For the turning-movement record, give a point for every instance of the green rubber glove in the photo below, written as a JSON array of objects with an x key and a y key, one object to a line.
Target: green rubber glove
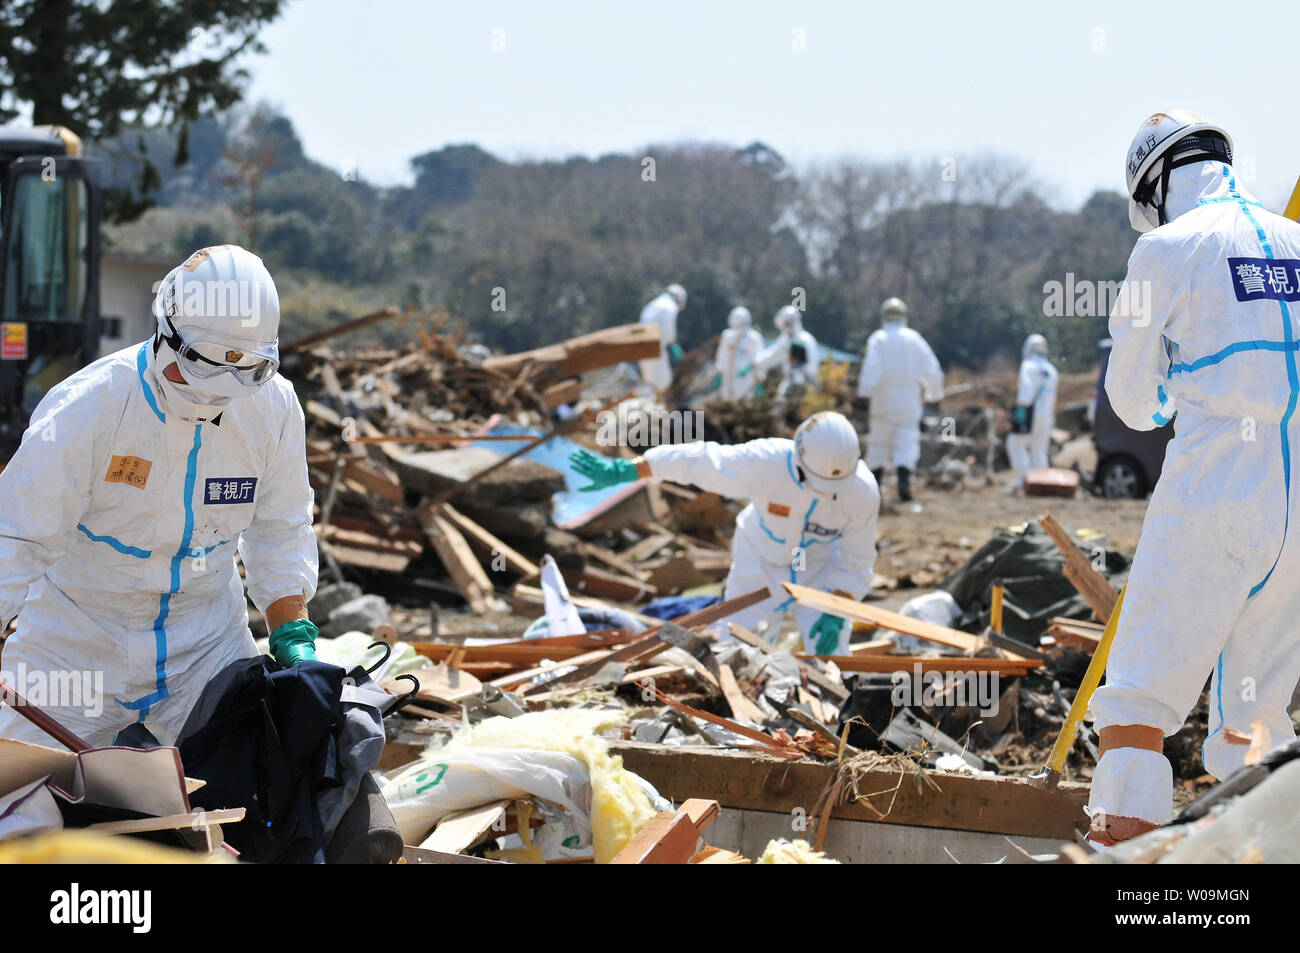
[
  {"x": 674, "y": 354},
  {"x": 748, "y": 368},
  {"x": 825, "y": 633},
  {"x": 294, "y": 642},
  {"x": 601, "y": 471},
  {"x": 1022, "y": 417},
  {"x": 716, "y": 384}
]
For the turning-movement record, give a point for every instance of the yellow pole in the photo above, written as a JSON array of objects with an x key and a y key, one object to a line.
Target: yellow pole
[
  {"x": 1293, "y": 207},
  {"x": 1065, "y": 741},
  {"x": 995, "y": 615}
]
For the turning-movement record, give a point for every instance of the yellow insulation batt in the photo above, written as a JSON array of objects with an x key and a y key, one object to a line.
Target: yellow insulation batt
[
  {"x": 83, "y": 847},
  {"x": 619, "y": 808},
  {"x": 793, "y": 852}
]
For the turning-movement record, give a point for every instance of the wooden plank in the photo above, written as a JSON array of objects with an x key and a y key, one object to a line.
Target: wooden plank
[
  {"x": 649, "y": 645},
  {"x": 612, "y": 585},
  {"x": 513, "y": 558},
  {"x": 1091, "y": 584},
  {"x": 458, "y": 558},
  {"x": 461, "y": 830},
  {"x": 668, "y": 838},
  {"x": 883, "y": 618},
  {"x": 1084, "y": 636},
  {"x": 520, "y": 652},
  {"x": 518, "y": 678},
  {"x": 193, "y": 820},
  {"x": 749, "y": 780},
  {"x": 565, "y": 392},
  {"x": 604, "y": 348},
  {"x": 905, "y": 663},
  {"x": 353, "y": 325},
  {"x": 741, "y": 706}
]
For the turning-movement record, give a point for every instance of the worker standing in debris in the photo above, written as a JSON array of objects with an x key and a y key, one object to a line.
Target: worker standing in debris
[
  {"x": 898, "y": 370},
  {"x": 663, "y": 310},
  {"x": 810, "y": 519},
  {"x": 1204, "y": 329},
  {"x": 136, "y": 481},
  {"x": 795, "y": 352},
  {"x": 738, "y": 348},
  {"x": 1034, "y": 413}
]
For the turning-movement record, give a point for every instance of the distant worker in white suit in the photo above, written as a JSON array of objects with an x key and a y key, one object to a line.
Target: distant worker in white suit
[
  {"x": 795, "y": 352},
  {"x": 663, "y": 310},
  {"x": 1034, "y": 414},
  {"x": 738, "y": 348},
  {"x": 810, "y": 519},
  {"x": 898, "y": 370}
]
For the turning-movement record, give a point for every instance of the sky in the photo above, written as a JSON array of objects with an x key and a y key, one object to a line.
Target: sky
[{"x": 1062, "y": 87}]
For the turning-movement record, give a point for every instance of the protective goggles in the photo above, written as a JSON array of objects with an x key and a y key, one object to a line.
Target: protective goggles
[{"x": 223, "y": 366}]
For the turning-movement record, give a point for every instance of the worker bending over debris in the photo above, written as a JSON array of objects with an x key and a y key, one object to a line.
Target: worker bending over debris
[
  {"x": 898, "y": 370},
  {"x": 1204, "y": 330},
  {"x": 1033, "y": 416},
  {"x": 738, "y": 348},
  {"x": 136, "y": 481},
  {"x": 663, "y": 310},
  {"x": 794, "y": 352},
  {"x": 811, "y": 516}
]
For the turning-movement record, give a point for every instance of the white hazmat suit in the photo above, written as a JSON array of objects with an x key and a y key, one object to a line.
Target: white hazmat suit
[
  {"x": 117, "y": 546},
  {"x": 898, "y": 369},
  {"x": 1206, "y": 329},
  {"x": 788, "y": 532},
  {"x": 738, "y": 348},
  {"x": 658, "y": 371},
  {"x": 795, "y": 352},
  {"x": 1037, "y": 389}
]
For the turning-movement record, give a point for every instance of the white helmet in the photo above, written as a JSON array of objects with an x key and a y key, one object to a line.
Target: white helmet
[
  {"x": 739, "y": 319},
  {"x": 789, "y": 319},
  {"x": 894, "y": 309},
  {"x": 219, "y": 314},
  {"x": 827, "y": 450},
  {"x": 678, "y": 294},
  {"x": 1035, "y": 344},
  {"x": 1178, "y": 137}
]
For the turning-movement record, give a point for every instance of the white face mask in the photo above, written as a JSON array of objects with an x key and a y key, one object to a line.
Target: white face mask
[{"x": 184, "y": 401}]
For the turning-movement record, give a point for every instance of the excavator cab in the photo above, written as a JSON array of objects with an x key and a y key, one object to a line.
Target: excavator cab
[{"x": 49, "y": 270}]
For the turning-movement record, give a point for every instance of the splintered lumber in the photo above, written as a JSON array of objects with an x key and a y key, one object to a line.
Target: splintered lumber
[
  {"x": 193, "y": 821},
  {"x": 492, "y": 544},
  {"x": 882, "y": 618},
  {"x": 650, "y": 645},
  {"x": 752, "y": 781},
  {"x": 461, "y": 830},
  {"x": 1092, "y": 585},
  {"x": 622, "y": 344},
  {"x": 949, "y": 663},
  {"x": 670, "y": 837},
  {"x": 741, "y": 706},
  {"x": 565, "y": 392},
  {"x": 832, "y": 686},
  {"x": 353, "y": 325},
  {"x": 1075, "y": 633},
  {"x": 458, "y": 559},
  {"x": 612, "y": 585}
]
